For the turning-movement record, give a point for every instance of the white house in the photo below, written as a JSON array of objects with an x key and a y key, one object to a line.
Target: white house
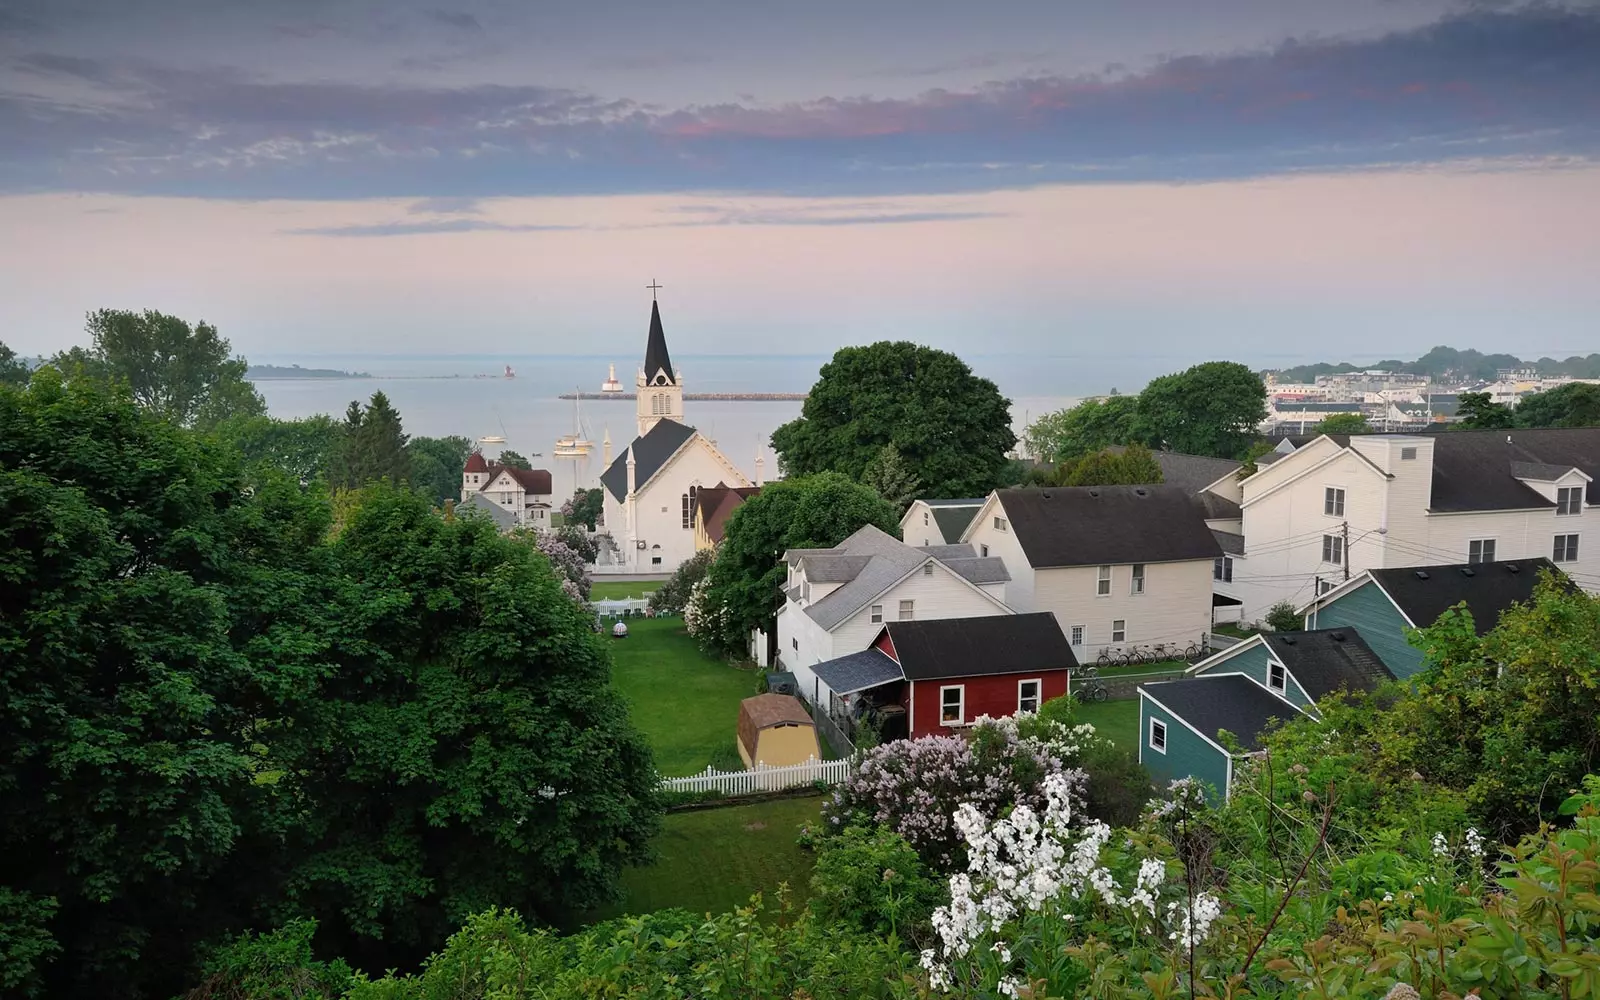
[
  {"x": 1329, "y": 508},
  {"x": 525, "y": 493},
  {"x": 937, "y": 522},
  {"x": 650, "y": 489},
  {"x": 836, "y": 600},
  {"x": 1117, "y": 565}
]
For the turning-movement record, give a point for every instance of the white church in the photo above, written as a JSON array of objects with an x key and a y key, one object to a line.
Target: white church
[{"x": 650, "y": 487}]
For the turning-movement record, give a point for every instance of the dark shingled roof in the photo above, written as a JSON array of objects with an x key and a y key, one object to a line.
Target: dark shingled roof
[
  {"x": 1329, "y": 660},
  {"x": 1192, "y": 473},
  {"x": 1489, "y": 590},
  {"x": 656, "y": 359},
  {"x": 857, "y": 672},
  {"x": 717, "y": 503},
  {"x": 953, "y": 520},
  {"x": 1473, "y": 470},
  {"x": 1092, "y": 525},
  {"x": 650, "y": 453},
  {"x": 1219, "y": 508},
  {"x": 975, "y": 647},
  {"x": 1232, "y": 702},
  {"x": 1231, "y": 544}
]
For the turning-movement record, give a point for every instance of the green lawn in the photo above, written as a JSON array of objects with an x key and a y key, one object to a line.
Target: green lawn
[
  {"x": 712, "y": 860},
  {"x": 1228, "y": 628},
  {"x": 1117, "y": 721},
  {"x": 611, "y": 590},
  {"x": 1160, "y": 667},
  {"x": 685, "y": 702}
]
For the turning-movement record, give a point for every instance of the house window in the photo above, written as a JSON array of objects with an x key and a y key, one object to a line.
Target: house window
[
  {"x": 1138, "y": 578},
  {"x": 877, "y": 614},
  {"x": 655, "y": 555},
  {"x": 1119, "y": 631},
  {"x": 924, "y": 519},
  {"x": 1077, "y": 635},
  {"x": 1028, "y": 696},
  {"x": 688, "y": 506},
  {"x": 1333, "y": 502},
  {"x": 1222, "y": 569},
  {"x": 907, "y": 610},
  {"x": 1103, "y": 584},
  {"x": 1276, "y": 677},
  {"x": 1324, "y": 586},
  {"x": 795, "y": 642},
  {"x": 927, "y": 569},
  {"x": 952, "y": 705},
  {"x": 1333, "y": 549},
  {"x": 1408, "y": 454},
  {"x": 1158, "y": 736},
  {"x": 1566, "y": 549},
  {"x": 999, "y": 524},
  {"x": 1569, "y": 500},
  {"x": 983, "y": 550},
  {"x": 1480, "y": 550}
]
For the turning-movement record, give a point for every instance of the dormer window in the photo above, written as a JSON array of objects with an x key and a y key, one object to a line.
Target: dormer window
[{"x": 1569, "y": 500}]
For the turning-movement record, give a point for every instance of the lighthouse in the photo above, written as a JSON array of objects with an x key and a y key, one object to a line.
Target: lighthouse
[{"x": 611, "y": 384}]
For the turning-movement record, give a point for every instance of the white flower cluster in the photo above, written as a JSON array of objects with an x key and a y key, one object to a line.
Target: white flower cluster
[
  {"x": 1441, "y": 846},
  {"x": 1020, "y": 864},
  {"x": 1472, "y": 845}
]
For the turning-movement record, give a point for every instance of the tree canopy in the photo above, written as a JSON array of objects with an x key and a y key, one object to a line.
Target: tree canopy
[
  {"x": 1478, "y": 411},
  {"x": 584, "y": 508},
  {"x": 218, "y": 714},
  {"x": 951, "y": 428},
  {"x": 302, "y": 449},
  {"x": 1088, "y": 427},
  {"x": 809, "y": 512},
  {"x": 13, "y": 371},
  {"x": 436, "y": 465},
  {"x": 1134, "y": 465},
  {"x": 372, "y": 446},
  {"x": 1345, "y": 423},
  {"x": 1576, "y": 404},
  {"x": 889, "y": 476},
  {"x": 185, "y": 374},
  {"x": 513, "y": 460},
  {"x": 1211, "y": 409}
]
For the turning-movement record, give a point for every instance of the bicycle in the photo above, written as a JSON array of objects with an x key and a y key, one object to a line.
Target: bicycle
[
  {"x": 1106, "y": 657},
  {"x": 1193, "y": 652},
  {"x": 1090, "y": 688}
]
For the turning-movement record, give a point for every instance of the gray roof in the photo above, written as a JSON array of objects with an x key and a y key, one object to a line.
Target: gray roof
[
  {"x": 1095, "y": 525},
  {"x": 503, "y": 517},
  {"x": 650, "y": 453},
  {"x": 1192, "y": 472},
  {"x": 1539, "y": 471},
  {"x": 1423, "y": 593},
  {"x": 953, "y": 520},
  {"x": 1317, "y": 407},
  {"x": 831, "y": 568},
  {"x": 857, "y": 672},
  {"x": 1218, "y": 508},
  {"x": 967, "y": 502},
  {"x": 793, "y": 556},
  {"x": 1229, "y": 701},
  {"x": 882, "y": 560},
  {"x": 1232, "y": 544},
  {"x": 1329, "y": 660}
]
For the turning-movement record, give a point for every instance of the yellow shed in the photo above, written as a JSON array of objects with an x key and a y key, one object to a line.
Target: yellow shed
[{"x": 775, "y": 730}]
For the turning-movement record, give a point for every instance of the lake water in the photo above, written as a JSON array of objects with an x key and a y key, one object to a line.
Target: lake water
[{"x": 466, "y": 395}]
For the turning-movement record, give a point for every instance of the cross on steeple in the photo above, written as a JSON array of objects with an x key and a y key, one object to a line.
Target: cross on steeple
[{"x": 653, "y": 288}]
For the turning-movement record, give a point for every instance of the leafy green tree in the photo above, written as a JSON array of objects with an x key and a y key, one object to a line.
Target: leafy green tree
[
  {"x": 584, "y": 508},
  {"x": 149, "y": 643},
  {"x": 1211, "y": 409},
  {"x": 373, "y": 445},
  {"x": 1478, "y": 412},
  {"x": 1131, "y": 466},
  {"x": 1091, "y": 426},
  {"x": 952, "y": 429},
  {"x": 674, "y": 594},
  {"x": 436, "y": 465},
  {"x": 1345, "y": 423},
  {"x": 1576, "y": 404},
  {"x": 513, "y": 460},
  {"x": 12, "y": 370},
  {"x": 1283, "y": 617},
  {"x": 1249, "y": 462},
  {"x": 302, "y": 449},
  {"x": 889, "y": 476},
  {"x": 809, "y": 512},
  {"x": 185, "y": 374}
]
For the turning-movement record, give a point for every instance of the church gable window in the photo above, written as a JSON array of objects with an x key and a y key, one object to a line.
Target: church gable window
[{"x": 688, "y": 506}]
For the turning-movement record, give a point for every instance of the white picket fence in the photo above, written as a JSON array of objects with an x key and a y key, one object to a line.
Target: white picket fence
[{"x": 762, "y": 778}]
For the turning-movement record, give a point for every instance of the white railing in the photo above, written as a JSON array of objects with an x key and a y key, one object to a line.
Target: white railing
[{"x": 762, "y": 778}]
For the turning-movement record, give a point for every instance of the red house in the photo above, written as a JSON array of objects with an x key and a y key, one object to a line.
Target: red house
[{"x": 920, "y": 678}]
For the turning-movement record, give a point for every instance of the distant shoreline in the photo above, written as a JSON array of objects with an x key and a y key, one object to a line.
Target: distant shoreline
[
  {"x": 703, "y": 397},
  {"x": 262, "y": 372}
]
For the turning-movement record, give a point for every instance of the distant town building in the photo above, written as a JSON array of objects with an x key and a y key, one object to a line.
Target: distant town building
[{"x": 525, "y": 493}]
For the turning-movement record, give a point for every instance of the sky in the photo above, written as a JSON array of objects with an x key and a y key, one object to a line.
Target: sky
[{"x": 1241, "y": 179}]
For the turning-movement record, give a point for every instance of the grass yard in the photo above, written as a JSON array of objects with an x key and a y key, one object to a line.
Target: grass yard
[
  {"x": 614, "y": 590},
  {"x": 1116, "y": 720},
  {"x": 712, "y": 860},
  {"x": 686, "y": 703}
]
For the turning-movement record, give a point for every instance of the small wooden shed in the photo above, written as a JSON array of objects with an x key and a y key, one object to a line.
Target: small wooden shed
[{"x": 774, "y": 729}]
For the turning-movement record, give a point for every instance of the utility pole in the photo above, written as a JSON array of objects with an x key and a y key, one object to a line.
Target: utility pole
[
  {"x": 1344, "y": 527},
  {"x": 1316, "y": 601}
]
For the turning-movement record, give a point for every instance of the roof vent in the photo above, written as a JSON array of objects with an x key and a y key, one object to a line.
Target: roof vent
[
  {"x": 1468, "y": 571},
  {"x": 1094, "y": 493},
  {"x": 1140, "y": 491},
  {"x": 1422, "y": 574},
  {"x": 1336, "y": 636},
  {"x": 1045, "y": 495},
  {"x": 1513, "y": 568},
  {"x": 1288, "y": 640}
]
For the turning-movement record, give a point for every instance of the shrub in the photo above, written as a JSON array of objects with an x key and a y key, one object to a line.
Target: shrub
[
  {"x": 1283, "y": 617},
  {"x": 873, "y": 881},
  {"x": 674, "y": 594},
  {"x": 278, "y": 965}
]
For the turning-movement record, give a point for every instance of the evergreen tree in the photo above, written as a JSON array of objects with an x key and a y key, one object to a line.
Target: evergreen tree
[
  {"x": 892, "y": 478},
  {"x": 374, "y": 446}
]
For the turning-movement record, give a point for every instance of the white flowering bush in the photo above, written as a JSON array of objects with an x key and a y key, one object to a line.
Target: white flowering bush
[
  {"x": 1034, "y": 885},
  {"x": 915, "y": 787},
  {"x": 710, "y": 625}
]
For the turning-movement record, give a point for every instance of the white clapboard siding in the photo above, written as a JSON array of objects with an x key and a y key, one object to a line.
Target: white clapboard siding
[{"x": 762, "y": 778}]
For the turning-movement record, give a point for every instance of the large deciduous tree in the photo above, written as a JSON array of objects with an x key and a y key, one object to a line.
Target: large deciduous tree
[
  {"x": 185, "y": 374},
  {"x": 1478, "y": 411},
  {"x": 436, "y": 465},
  {"x": 810, "y": 512},
  {"x": 1576, "y": 404},
  {"x": 1345, "y": 423},
  {"x": 1210, "y": 409},
  {"x": 1134, "y": 465},
  {"x": 302, "y": 449},
  {"x": 889, "y": 475},
  {"x": 513, "y": 460},
  {"x": 1091, "y": 426},
  {"x": 951, "y": 428},
  {"x": 13, "y": 371},
  {"x": 584, "y": 508}
]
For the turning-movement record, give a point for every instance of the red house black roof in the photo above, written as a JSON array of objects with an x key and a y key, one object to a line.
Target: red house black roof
[{"x": 974, "y": 647}]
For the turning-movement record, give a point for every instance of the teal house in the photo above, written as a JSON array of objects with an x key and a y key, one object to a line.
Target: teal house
[
  {"x": 1383, "y": 603},
  {"x": 1268, "y": 679}
]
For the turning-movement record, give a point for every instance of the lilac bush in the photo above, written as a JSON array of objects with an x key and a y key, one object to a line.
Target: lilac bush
[
  {"x": 914, "y": 787},
  {"x": 569, "y": 564}
]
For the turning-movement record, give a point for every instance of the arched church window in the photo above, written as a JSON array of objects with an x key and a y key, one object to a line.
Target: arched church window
[
  {"x": 655, "y": 555},
  {"x": 688, "y": 506}
]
